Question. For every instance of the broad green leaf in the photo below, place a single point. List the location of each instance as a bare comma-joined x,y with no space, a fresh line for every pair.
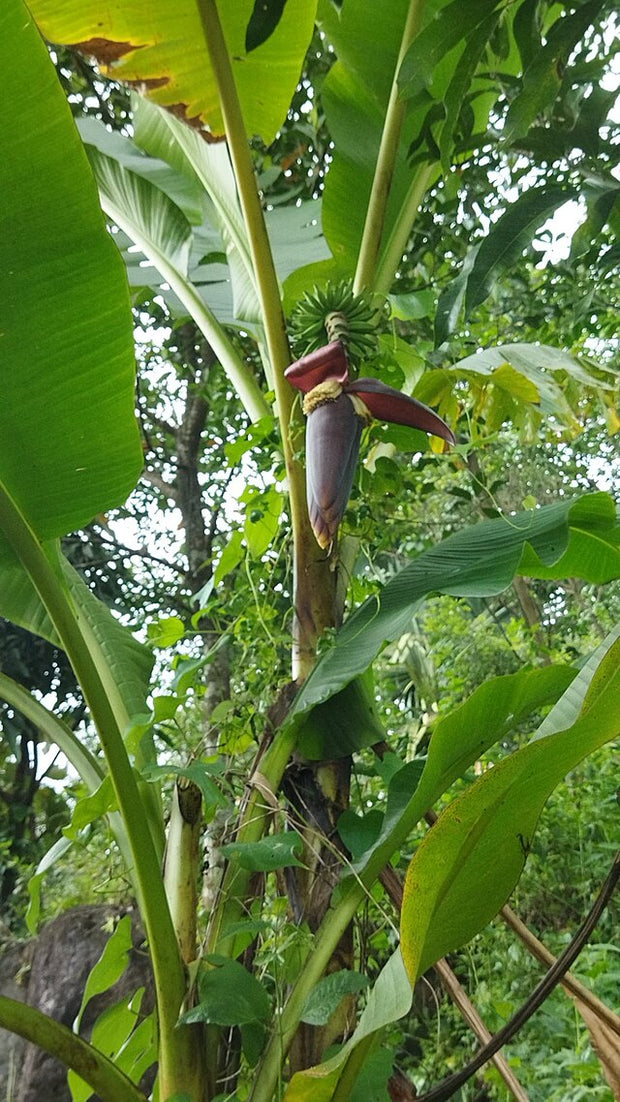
124,663
110,966
276,851
389,1000
509,236
478,561
160,134
294,231
142,45
219,232
182,187
265,17
142,210
329,993
593,552
355,97
346,723
467,865
542,79
570,704
66,356
229,995
491,713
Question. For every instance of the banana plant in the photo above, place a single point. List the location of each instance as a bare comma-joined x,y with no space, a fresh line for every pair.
209,74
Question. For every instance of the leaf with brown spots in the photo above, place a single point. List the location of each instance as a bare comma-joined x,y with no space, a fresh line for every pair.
160,49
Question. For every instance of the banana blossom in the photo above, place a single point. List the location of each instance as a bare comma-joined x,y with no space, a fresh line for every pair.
338,408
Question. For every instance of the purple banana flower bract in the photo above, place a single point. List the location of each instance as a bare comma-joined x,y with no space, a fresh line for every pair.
337,410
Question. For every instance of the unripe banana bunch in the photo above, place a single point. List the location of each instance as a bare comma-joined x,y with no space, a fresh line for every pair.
335,313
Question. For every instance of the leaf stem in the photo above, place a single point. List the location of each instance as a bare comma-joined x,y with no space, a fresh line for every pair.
313,584
175,1045
392,251
56,1039
54,730
239,374
365,273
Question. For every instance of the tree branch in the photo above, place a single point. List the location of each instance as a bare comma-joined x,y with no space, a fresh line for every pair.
570,983
160,483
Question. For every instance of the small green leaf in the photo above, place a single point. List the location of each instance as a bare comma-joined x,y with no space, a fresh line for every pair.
347,723
262,521
165,707
359,832
249,439
166,631
90,808
412,306
329,993
229,995
110,966
277,851
230,558
200,772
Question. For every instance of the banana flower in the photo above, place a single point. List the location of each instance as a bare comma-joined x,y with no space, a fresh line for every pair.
337,409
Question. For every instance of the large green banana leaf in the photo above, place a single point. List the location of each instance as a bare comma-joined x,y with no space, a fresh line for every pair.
69,442
161,47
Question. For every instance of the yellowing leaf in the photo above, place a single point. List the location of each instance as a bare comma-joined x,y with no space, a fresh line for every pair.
515,383
161,48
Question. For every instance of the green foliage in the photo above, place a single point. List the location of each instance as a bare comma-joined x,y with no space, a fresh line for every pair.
467,866
452,648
